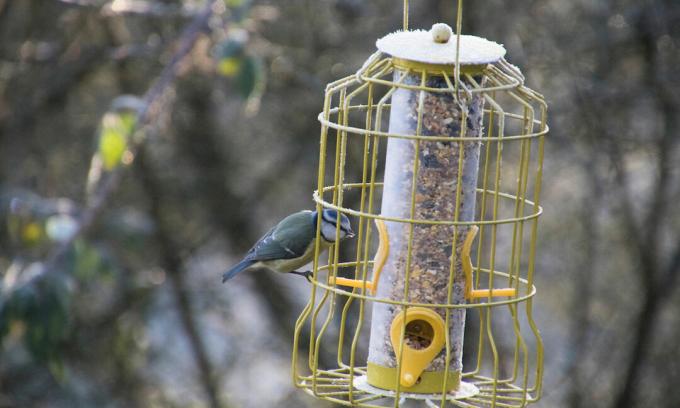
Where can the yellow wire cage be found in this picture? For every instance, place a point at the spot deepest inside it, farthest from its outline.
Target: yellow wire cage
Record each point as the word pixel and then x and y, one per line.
pixel 446 231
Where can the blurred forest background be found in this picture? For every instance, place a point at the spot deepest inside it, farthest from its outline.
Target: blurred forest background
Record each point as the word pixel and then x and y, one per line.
pixel 130 312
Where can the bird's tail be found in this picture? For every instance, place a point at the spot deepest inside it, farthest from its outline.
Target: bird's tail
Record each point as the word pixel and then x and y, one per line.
pixel 238 268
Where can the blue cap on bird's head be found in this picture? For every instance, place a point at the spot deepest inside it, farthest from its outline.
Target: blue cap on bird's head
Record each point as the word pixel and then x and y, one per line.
pixel 329 223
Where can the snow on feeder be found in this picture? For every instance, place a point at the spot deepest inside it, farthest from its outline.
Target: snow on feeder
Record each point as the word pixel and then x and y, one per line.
pixel 454 213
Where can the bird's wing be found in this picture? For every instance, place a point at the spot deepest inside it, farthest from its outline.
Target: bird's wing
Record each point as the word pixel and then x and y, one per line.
pixel 296 232
pixel 289 239
pixel 267 248
pixel 262 241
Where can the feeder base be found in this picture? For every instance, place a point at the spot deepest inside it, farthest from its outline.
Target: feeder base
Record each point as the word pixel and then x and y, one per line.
pixel 350 387
pixel 430 381
pixel 465 390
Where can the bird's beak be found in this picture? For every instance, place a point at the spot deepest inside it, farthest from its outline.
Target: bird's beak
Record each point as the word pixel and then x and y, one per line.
pixel 350 234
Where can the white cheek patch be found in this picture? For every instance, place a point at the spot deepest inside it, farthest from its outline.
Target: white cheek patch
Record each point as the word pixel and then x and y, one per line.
pixel 328 232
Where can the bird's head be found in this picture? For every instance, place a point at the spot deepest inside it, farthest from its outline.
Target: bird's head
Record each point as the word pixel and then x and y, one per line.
pixel 329 224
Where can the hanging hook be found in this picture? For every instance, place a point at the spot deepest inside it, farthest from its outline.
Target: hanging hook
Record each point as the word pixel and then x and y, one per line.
pixel 459 28
pixel 405 15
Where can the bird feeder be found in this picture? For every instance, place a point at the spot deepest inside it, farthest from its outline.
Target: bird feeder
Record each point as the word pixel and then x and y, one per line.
pixel 446 229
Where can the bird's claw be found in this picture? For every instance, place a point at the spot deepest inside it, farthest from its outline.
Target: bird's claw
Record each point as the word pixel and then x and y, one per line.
pixel 307 274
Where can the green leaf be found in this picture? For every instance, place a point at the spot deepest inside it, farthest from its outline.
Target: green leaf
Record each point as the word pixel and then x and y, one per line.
pixel 128 120
pixel 56 367
pixel 88 261
pixel 249 77
pixel 42 307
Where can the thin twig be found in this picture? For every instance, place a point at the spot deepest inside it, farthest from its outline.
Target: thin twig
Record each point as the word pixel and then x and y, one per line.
pixel 153 103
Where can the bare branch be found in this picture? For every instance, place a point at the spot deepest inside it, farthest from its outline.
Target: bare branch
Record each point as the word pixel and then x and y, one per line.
pixel 648 33
pixel 647 259
pixel 174 266
pixel 154 101
pixel 671 275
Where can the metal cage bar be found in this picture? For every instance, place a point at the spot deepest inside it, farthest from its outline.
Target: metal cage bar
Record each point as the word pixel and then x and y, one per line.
pixel 509 104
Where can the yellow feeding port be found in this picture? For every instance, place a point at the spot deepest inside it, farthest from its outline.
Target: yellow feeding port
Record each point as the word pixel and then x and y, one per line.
pixel 417 337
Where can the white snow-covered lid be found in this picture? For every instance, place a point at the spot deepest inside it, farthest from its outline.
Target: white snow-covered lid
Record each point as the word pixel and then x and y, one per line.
pixel 438 46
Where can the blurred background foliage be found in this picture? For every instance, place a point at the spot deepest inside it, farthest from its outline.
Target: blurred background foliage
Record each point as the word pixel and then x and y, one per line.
pixel 131 313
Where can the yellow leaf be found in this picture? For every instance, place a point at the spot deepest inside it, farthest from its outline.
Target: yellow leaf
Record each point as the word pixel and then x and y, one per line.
pixel 31 233
pixel 229 67
pixel 112 145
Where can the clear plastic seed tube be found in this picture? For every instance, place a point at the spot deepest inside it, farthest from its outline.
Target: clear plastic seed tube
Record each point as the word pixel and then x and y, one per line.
pixel 427 180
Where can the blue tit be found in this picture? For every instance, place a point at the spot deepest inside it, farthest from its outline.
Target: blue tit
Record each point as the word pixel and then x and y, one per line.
pixel 290 244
